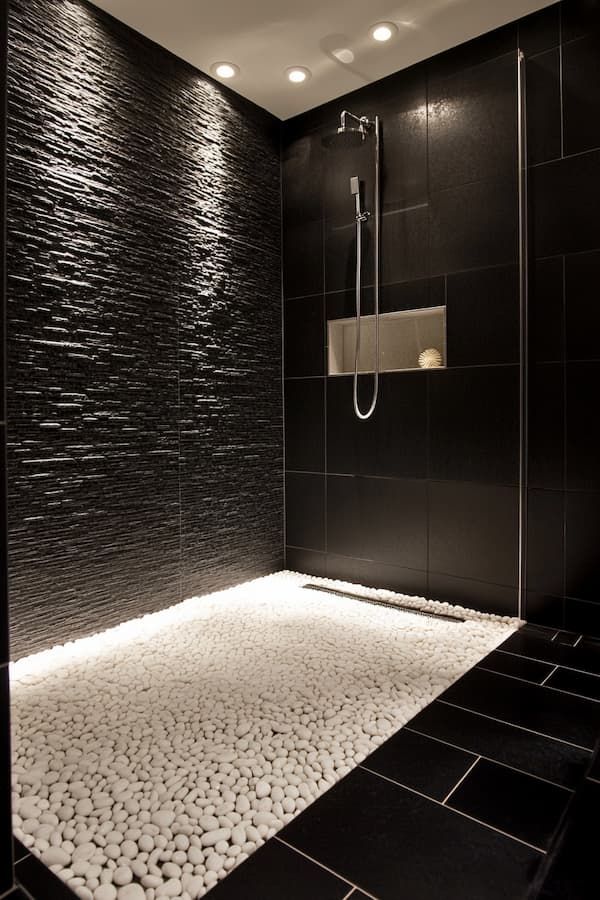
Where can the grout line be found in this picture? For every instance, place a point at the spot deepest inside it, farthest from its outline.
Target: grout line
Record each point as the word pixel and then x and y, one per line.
pixel 548 687
pixel 460 781
pixel 322 866
pixel 549 675
pixel 580 638
pixel 491 759
pixel 506 722
pixel 349 894
pixel 458 812
pixel 536 659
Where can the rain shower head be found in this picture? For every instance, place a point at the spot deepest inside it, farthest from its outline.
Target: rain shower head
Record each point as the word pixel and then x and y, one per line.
pixel 349 135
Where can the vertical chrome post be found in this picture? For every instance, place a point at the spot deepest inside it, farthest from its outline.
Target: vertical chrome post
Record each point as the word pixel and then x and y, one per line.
pixel 523 331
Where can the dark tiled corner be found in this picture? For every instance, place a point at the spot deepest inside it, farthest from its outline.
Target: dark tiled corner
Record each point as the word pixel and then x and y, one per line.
pixel 276 871
pixel 516 666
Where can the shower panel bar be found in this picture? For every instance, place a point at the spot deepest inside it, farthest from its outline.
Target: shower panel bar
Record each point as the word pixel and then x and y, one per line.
pixel 523 330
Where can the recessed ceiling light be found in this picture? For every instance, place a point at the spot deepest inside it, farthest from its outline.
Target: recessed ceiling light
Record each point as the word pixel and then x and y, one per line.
pixel 225 70
pixel 383 31
pixel 297 74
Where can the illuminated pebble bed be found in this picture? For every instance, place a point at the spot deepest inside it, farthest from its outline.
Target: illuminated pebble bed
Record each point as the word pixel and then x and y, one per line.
pixel 153 758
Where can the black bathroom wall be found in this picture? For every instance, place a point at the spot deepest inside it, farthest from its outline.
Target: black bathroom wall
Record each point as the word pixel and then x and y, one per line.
pixel 424 497
pixel 6 860
pixel 144 328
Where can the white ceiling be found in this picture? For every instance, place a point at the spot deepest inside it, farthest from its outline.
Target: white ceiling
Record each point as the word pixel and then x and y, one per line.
pixel 264 37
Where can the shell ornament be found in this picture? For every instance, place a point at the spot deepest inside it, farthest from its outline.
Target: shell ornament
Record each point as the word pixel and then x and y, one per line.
pixel 430 358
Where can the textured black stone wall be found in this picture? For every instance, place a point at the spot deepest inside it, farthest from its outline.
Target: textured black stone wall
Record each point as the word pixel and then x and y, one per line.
pixel 145 413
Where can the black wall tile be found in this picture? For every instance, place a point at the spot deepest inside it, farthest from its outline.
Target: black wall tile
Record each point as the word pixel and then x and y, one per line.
pixel 483 317
pixel 302 179
pixel 540 31
pixel 481 447
pixel 472 125
pixel 583 429
pixel 305 424
pixel 545 542
pixel 473 225
pixel 582 616
pixel 405 244
pixel 303 259
pixel 473 531
pixel 579 17
pixel 378 519
pixel 300 560
pixel 582 276
pixel 377 574
pixel 581 93
pixel 583 537
pixel 544 609
pixel 304 336
pixel 544 111
pixel 493 598
pixel 393 441
pixel 546 426
pixel 564 196
pixel 546 310
pixel 305 511
pixel 472 53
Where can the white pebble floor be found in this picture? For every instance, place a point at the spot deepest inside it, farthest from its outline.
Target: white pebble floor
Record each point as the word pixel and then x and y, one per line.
pixel 151 759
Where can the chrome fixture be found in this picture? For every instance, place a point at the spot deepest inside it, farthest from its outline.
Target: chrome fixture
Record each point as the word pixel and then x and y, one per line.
pixel 353 131
pixel 523 192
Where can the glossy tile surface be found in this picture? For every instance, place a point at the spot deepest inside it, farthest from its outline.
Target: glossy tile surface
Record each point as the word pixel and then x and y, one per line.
pixel 546 712
pixel 516 666
pixel 365 817
pixel 425 765
pixel 511 745
pixel 517 804
pixel 276 871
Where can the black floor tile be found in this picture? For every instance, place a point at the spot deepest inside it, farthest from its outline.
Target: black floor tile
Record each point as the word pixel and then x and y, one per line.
pixel 585 657
pixel 576 683
pixel 275 871
pixel 19 850
pixel 421 763
pixel 525 807
pixel 17 894
pixel 544 609
pixel 541 631
pixel 570 638
pixel 553 760
pixel 39 881
pixel 393 843
pixel 544 711
pixel 517 666
pixel 571 871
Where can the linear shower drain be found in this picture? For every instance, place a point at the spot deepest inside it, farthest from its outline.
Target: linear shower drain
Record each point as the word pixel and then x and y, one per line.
pixel 397 606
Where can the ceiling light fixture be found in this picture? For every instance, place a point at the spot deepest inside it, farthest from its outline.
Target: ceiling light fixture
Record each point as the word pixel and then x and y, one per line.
pixel 383 31
pixel 297 74
pixel 344 55
pixel 225 70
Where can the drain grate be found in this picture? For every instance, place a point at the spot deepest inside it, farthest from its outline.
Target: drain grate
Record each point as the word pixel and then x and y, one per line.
pixel 375 602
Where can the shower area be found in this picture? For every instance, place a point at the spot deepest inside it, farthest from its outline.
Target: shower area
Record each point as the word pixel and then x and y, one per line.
pixel 294 433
